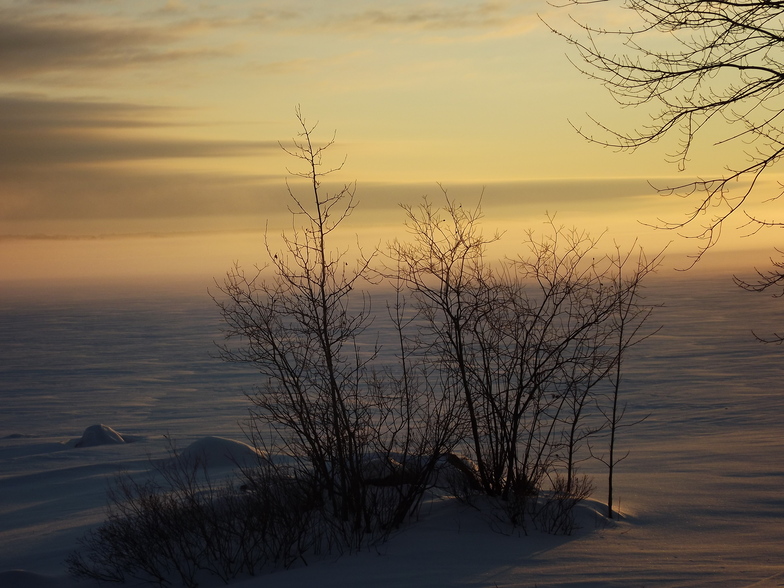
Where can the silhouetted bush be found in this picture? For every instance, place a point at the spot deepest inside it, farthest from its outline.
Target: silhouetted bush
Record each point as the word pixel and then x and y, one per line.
pixel 179 525
pixel 516 364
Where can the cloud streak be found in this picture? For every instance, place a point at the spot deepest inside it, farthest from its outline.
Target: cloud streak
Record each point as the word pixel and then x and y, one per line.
pixel 112 195
pixel 31 45
pixel 44 149
pixel 54 156
pixel 445 17
pixel 40 133
pixel 26 112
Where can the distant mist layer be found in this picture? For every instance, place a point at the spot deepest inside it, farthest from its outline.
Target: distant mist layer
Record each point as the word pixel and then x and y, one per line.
pixel 205 227
pixel 168 202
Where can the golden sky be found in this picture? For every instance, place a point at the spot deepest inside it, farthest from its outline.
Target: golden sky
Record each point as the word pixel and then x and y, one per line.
pixel 142 137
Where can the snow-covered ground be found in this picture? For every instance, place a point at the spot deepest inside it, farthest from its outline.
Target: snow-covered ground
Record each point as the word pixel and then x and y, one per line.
pixel 702 492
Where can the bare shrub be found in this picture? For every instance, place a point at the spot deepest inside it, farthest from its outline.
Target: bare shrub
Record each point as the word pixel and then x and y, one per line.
pixel 554 511
pixel 324 402
pixel 530 344
pixel 178 526
pixel 516 363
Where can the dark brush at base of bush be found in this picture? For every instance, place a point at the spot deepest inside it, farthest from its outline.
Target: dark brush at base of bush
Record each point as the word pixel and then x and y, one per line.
pixel 551 512
pixel 179 527
pixel 174 531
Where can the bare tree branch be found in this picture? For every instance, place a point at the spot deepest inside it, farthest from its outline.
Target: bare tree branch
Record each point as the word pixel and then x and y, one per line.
pixel 696 64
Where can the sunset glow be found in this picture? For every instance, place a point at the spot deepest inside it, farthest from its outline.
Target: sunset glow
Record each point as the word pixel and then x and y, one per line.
pixel 126 121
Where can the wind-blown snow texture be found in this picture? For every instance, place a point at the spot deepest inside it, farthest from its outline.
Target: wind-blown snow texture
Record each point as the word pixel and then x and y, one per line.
pixel 702 490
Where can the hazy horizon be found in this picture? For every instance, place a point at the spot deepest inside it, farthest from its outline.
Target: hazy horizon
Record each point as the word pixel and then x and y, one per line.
pixel 194 245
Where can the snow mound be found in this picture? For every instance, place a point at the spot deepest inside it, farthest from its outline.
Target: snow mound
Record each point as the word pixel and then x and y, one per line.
pixel 219 452
pixel 99 435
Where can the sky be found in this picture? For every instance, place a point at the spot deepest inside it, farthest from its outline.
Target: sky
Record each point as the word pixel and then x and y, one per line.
pixel 144 138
